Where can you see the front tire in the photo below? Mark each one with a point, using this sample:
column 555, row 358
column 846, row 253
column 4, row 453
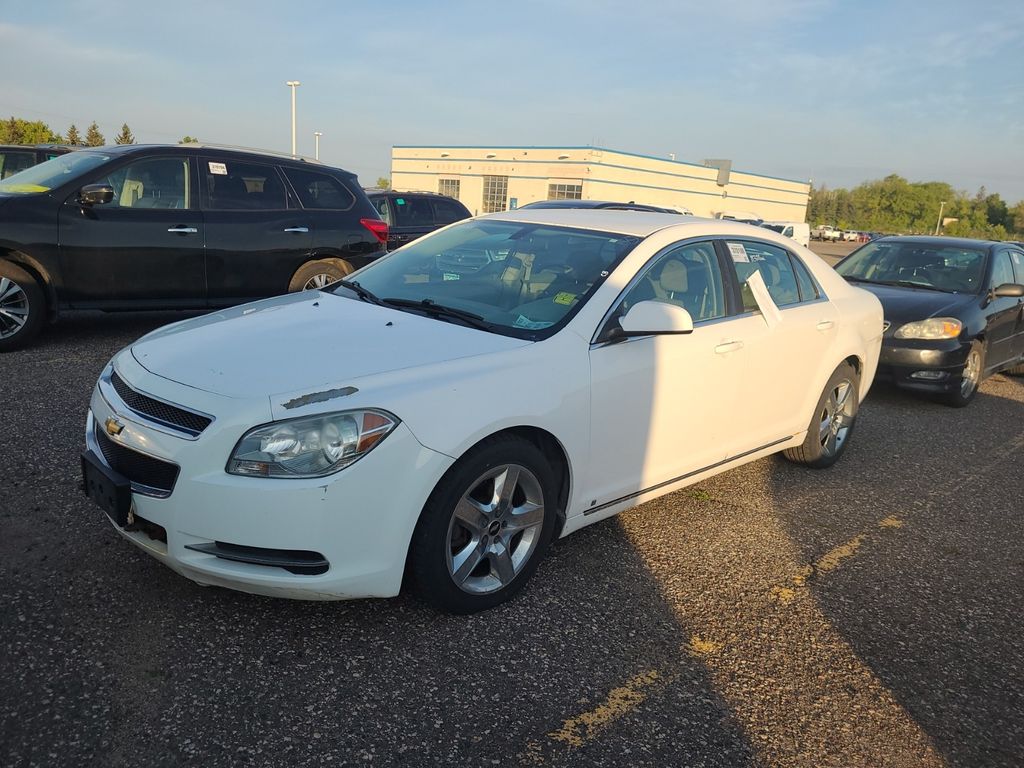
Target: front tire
column 832, row 425
column 970, row 378
column 315, row 275
column 485, row 527
column 22, row 307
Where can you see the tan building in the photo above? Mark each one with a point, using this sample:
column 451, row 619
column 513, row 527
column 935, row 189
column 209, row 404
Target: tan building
column 489, row 179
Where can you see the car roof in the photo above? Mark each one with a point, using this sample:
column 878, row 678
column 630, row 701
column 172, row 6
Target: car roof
column 939, row 240
column 407, row 193
column 596, row 204
column 635, row 223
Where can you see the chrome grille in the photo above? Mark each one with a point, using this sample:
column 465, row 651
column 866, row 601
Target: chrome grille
column 159, row 411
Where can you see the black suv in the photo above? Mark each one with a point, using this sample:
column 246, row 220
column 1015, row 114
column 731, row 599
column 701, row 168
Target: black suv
column 413, row 214
column 15, row 158
column 173, row 227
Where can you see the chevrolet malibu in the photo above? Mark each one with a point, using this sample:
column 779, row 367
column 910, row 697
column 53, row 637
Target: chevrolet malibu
column 442, row 414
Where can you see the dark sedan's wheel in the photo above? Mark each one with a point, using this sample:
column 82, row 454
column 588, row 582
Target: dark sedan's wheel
column 22, row 307
column 970, row 378
column 485, row 527
column 832, row 424
column 318, row 274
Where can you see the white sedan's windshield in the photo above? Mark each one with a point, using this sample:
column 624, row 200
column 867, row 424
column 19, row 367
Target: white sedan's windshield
column 52, row 173
column 518, row 279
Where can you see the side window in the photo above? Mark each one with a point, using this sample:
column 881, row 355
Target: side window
column 808, row 288
column 1018, row 265
column 159, row 182
column 775, row 267
column 234, row 186
column 413, row 212
column 447, row 211
column 788, row 231
column 381, row 204
column 1002, row 271
column 14, row 162
column 320, row 191
column 688, row 276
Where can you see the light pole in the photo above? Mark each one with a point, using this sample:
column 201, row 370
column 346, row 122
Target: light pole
column 316, row 136
column 939, row 222
column 293, row 84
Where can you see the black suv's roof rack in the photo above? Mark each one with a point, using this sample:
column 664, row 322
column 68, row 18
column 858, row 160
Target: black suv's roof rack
column 253, row 150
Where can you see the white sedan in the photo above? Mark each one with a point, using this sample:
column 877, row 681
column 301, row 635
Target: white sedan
column 445, row 412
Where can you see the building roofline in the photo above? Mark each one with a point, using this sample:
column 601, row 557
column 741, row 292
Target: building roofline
column 590, row 147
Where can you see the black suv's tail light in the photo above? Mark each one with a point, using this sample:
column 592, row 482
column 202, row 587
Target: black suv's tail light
column 378, row 227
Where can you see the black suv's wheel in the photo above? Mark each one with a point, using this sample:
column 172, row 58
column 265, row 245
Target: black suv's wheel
column 969, row 379
column 485, row 527
column 833, row 421
column 22, row 306
column 319, row 274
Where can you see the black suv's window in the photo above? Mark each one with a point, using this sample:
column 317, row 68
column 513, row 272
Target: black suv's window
column 15, row 162
column 318, row 190
column 159, row 182
column 775, row 267
column 235, row 186
column 381, row 204
column 413, row 212
column 52, row 173
column 446, row 211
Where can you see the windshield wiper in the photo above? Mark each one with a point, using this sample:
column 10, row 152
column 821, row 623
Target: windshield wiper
column 912, row 284
column 440, row 310
column 361, row 292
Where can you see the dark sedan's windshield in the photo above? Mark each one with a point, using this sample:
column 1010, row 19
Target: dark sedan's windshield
column 517, row 279
column 927, row 265
column 52, row 173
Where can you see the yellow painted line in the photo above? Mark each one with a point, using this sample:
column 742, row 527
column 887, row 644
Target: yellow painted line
column 584, row 727
column 891, row 522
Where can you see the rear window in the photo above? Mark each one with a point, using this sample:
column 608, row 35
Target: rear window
column 413, row 212
column 319, row 190
column 15, row 162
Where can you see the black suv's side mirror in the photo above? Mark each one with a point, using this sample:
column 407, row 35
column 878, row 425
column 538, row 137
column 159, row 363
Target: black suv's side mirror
column 1012, row 290
column 95, row 194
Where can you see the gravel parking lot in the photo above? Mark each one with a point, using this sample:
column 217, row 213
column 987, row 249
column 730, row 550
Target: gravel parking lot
column 865, row 615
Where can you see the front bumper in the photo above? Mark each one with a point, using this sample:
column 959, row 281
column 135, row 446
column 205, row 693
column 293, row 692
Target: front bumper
column 359, row 520
column 923, row 366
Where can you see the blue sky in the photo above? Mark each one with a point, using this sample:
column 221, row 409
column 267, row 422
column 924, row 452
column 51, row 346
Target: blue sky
column 837, row 92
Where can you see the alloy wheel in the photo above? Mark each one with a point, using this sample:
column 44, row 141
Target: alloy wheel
column 836, row 417
column 321, row 280
column 494, row 529
column 971, row 374
column 14, row 308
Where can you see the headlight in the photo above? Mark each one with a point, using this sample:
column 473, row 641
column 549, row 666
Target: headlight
column 933, row 328
column 313, row 446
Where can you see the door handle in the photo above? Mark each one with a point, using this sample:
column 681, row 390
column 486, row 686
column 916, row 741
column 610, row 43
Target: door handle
column 824, row 325
column 183, row 230
column 303, row 230
column 728, row 346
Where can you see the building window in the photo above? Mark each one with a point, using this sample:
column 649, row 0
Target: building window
column 495, row 193
column 448, row 187
column 565, row 191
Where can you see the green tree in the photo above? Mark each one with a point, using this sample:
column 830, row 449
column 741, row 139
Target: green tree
column 18, row 131
column 189, row 140
column 93, row 137
column 383, row 182
column 125, row 136
column 73, row 137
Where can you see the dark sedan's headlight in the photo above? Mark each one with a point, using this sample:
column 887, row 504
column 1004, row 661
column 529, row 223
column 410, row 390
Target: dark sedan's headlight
column 311, row 446
column 932, row 328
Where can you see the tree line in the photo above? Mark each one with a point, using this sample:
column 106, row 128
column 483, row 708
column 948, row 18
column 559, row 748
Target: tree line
column 895, row 205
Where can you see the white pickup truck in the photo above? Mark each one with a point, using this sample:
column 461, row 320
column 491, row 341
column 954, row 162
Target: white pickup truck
column 825, row 232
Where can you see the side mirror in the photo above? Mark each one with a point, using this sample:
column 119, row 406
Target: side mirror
column 95, row 194
column 655, row 318
column 1013, row 290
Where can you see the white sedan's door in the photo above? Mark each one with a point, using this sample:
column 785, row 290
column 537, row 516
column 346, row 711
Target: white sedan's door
column 663, row 407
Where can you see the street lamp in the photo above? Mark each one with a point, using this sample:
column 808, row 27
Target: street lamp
column 316, row 136
column 293, row 84
column 938, row 223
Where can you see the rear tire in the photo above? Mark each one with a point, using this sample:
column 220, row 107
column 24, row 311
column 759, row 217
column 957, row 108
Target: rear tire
column 319, row 274
column 22, row 307
column 485, row 527
column 833, row 421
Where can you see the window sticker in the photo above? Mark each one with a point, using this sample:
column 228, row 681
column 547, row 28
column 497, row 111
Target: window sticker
column 451, row 275
column 524, row 322
column 739, row 253
column 218, row 169
column 565, row 298
column 399, row 201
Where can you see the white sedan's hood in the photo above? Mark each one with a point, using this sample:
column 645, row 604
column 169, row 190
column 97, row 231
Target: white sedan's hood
column 301, row 342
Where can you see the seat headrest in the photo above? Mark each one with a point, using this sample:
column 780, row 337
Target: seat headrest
column 674, row 277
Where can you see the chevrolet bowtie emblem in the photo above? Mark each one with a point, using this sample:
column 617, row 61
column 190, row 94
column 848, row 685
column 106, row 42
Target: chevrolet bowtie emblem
column 114, row 427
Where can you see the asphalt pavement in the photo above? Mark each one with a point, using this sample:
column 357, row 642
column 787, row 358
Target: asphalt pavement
column 867, row 615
